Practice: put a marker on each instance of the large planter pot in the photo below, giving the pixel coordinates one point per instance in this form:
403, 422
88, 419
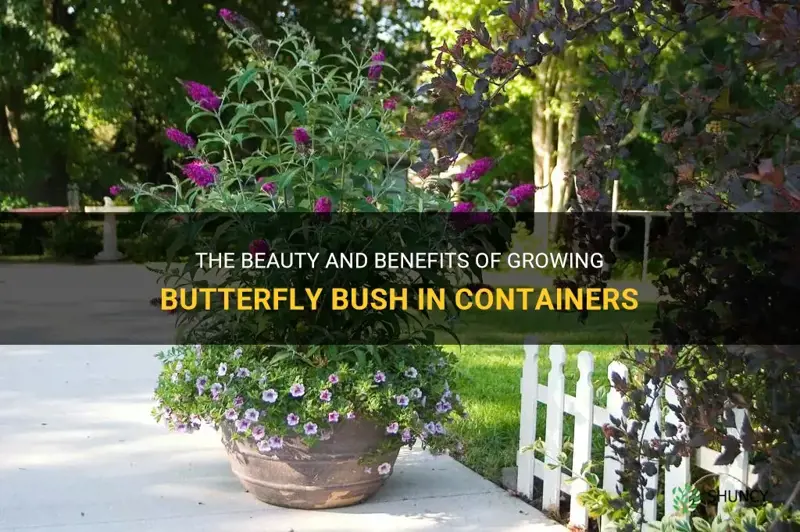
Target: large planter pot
326, 475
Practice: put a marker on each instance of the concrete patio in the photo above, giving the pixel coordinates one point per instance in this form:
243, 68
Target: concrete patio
79, 452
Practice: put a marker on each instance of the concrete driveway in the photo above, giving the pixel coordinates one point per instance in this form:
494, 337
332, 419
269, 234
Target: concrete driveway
79, 452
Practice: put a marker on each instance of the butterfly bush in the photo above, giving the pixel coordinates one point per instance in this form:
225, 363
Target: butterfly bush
408, 393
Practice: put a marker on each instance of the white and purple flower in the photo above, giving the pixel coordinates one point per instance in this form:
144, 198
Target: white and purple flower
276, 442
325, 395
406, 436
269, 396
222, 370
310, 428
258, 432
333, 417
251, 414
238, 402
264, 446
368, 470
439, 428
297, 390
231, 414
333, 378
392, 428
201, 384
380, 377
351, 415
242, 425
216, 389
242, 373
415, 393
443, 407
411, 373
430, 427
238, 353
402, 400
187, 376
174, 378
292, 419
385, 468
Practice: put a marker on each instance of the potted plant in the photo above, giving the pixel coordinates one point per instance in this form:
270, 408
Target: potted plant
317, 420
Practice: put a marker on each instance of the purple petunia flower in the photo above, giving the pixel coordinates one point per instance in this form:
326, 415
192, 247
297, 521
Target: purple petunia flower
411, 373
392, 428
264, 446
368, 470
201, 173
375, 69
333, 417
268, 187
415, 393
402, 400
333, 378
519, 194
430, 427
476, 170
238, 353
242, 373
463, 207
439, 428
443, 407
251, 414
238, 402
292, 419
301, 137
269, 396
310, 428
385, 468
297, 390
187, 376
231, 414
182, 428
323, 205
242, 425
258, 432
222, 370
380, 377
203, 96
406, 436
351, 415
201, 383
180, 138
116, 190
276, 442
216, 389
325, 395
390, 104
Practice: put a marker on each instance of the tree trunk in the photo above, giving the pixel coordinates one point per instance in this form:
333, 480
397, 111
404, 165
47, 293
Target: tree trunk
542, 139
567, 135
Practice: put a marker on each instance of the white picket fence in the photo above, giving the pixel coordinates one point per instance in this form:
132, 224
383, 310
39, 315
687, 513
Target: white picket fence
587, 415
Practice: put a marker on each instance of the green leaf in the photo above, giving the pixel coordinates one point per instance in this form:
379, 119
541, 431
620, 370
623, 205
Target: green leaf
701, 525
300, 112
683, 525
592, 479
245, 79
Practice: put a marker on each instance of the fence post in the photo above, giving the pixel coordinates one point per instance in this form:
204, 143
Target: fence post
551, 478
676, 476
529, 387
737, 470
650, 507
611, 480
582, 451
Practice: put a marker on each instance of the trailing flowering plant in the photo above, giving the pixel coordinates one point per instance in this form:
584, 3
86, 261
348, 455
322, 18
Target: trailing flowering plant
404, 389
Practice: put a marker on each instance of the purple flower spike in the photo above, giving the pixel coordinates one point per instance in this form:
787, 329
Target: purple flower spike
390, 104
201, 173
463, 208
519, 194
375, 69
115, 190
476, 170
203, 96
323, 205
180, 138
310, 428
297, 390
301, 137
333, 417
260, 247
268, 187
292, 419
227, 15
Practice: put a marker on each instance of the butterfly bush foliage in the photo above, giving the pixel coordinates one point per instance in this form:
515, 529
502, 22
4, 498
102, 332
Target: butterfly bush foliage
403, 389
726, 119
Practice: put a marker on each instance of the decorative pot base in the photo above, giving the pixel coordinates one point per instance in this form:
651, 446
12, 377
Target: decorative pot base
327, 475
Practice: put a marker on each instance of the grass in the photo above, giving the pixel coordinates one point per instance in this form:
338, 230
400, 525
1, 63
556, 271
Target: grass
489, 384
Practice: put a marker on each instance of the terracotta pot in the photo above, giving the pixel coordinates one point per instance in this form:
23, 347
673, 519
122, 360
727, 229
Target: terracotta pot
326, 475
